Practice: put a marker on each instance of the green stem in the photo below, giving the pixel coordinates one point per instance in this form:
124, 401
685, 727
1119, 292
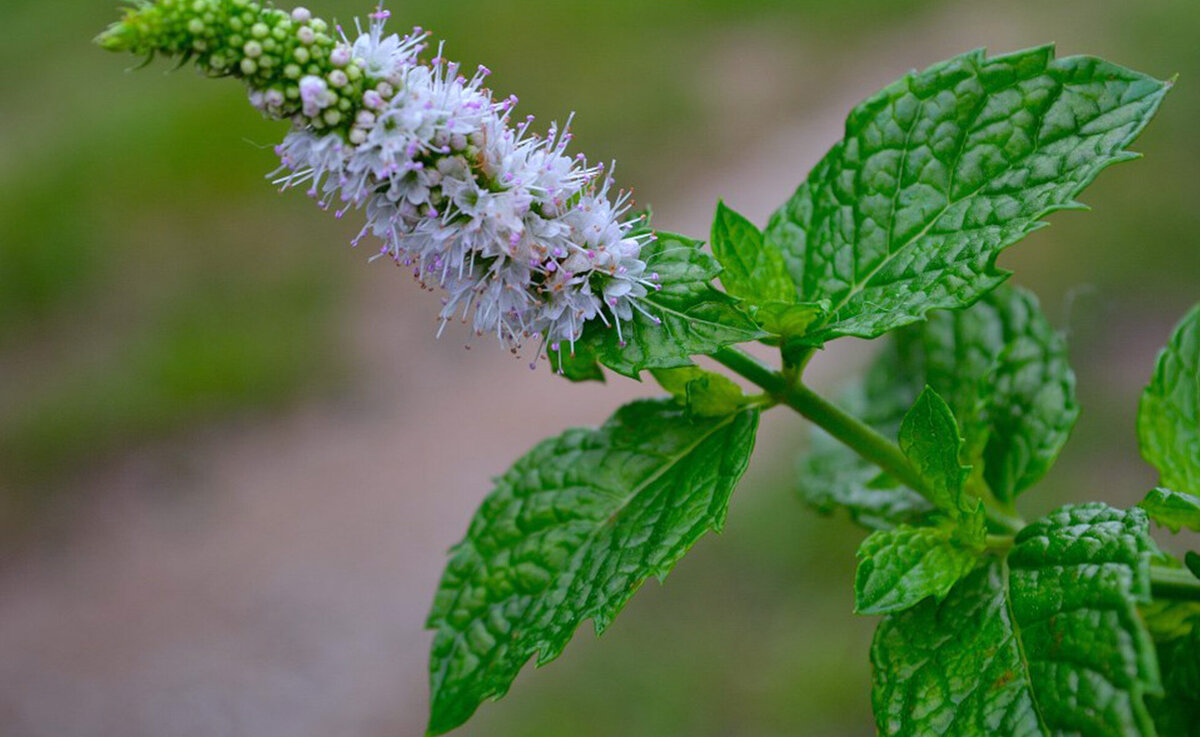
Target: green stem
1174, 583
856, 434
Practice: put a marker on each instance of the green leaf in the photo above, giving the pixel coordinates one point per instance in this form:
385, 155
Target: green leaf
833, 477
1169, 415
568, 534
703, 393
1177, 712
687, 316
1192, 561
898, 568
789, 321
1000, 366
942, 170
1046, 642
577, 364
751, 270
1172, 509
929, 438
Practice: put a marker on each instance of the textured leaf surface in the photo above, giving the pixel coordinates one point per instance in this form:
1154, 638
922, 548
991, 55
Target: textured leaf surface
688, 316
1169, 416
1172, 509
942, 170
898, 568
750, 269
1003, 371
568, 534
1047, 642
832, 477
929, 438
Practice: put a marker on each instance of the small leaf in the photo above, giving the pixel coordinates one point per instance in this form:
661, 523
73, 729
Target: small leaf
575, 364
1047, 642
687, 316
1172, 509
942, 170
898, 568
787, 320
1192, 561
1169, 415
929, 438
569, 534
703, 393
751, 270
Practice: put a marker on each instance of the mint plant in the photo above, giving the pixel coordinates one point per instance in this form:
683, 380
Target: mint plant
1075, 623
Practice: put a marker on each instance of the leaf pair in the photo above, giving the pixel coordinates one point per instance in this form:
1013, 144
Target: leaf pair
899, 567
1047, 641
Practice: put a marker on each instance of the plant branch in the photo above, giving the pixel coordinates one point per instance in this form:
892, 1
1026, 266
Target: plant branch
1174, 583
853, 432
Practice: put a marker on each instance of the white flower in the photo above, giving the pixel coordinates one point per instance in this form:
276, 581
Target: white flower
523, 237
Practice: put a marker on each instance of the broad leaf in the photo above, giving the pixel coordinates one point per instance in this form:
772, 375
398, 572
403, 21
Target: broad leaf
687, 316
1002, 369
568, 534
750, 269
942, 170
1046, 642
702, 393
1192, 561
1172, 509
1169, 416
898, 568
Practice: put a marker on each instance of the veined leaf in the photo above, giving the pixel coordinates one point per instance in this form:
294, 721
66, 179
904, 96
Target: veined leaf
1004, 372
929, 438
1169, 415
1047, 642
833, 477
687, 316
1172, 509
945, 168
898, 568
750, 269
568, 534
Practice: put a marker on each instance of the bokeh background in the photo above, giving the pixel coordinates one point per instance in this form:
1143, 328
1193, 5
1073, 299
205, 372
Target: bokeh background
232, 452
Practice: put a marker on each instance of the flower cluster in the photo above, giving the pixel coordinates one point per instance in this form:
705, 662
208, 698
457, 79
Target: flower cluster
525, 239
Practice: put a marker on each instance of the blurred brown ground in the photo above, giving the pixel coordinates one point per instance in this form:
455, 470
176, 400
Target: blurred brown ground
268, 573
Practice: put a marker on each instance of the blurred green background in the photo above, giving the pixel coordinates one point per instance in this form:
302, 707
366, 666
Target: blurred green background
155, 292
